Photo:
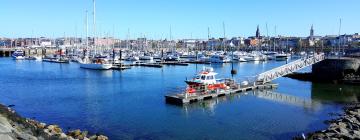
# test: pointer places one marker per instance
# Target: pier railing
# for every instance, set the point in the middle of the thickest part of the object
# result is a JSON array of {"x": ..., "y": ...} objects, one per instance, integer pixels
[{"x": 289, "y": 68}]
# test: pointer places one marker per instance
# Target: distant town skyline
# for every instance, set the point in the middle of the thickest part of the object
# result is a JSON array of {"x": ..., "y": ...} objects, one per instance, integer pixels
[{"x": 186, "y": 18}]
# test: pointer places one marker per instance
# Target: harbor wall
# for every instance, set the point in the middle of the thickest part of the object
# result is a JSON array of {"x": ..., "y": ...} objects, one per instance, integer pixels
[
  {"x": 28, "y": 52},
  {"x": 335, "y": 68}
]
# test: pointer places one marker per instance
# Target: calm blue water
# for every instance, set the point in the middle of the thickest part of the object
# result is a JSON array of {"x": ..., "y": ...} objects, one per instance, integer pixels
[{"x": 130, "y": 104}]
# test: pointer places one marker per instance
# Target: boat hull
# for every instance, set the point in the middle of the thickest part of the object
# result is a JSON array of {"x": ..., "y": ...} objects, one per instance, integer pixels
[
  {"x": 18, "y": 57},
  {"x": 96, "y": 66}
]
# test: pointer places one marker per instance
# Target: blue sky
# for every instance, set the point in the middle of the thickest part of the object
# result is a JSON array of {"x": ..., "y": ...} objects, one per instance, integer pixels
[{"x": 187, "y": 18}]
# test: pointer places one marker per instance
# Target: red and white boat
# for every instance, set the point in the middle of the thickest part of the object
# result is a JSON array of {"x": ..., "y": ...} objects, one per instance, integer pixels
[{"x": 205, "y": 82}]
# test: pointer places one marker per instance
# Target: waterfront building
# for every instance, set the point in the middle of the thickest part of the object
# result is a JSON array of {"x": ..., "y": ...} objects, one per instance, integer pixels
[
  {"x": 289, "y": 42},
  {"x": 5, "y": 42},
  {"x": 105, "y": 41}
]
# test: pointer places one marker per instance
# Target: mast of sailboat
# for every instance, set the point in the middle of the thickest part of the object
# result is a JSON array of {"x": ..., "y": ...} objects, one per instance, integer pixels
[
  {"x": 113, "y": 34},
  {"x": 87, "y": 30},
  {"x": 87, "y": 34},
  {"x": 113, "y": 43},
  {"x": 127, "y": 40},
  {"x": 267, "y": 40},
  {"x": 94, "y": 25},
  {"x": 275, "y": 40},
  {"x": 170, "y": 40},
  {"x": 224, "y": 36},
  {"x": 209, "y": 39},
  {"x": 339, "y": 43}
]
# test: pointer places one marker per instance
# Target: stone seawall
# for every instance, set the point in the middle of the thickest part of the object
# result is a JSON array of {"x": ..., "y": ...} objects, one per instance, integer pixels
[{"x": 335, "y": 68}]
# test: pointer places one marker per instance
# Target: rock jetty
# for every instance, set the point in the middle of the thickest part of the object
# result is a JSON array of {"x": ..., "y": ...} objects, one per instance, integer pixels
[
  {"x": 346, "y": 126},
  {"x": 14, "y": 127}
]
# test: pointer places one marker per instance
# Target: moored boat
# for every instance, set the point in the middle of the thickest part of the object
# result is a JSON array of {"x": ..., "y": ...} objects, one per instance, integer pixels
[
  {"x": 96, "y": 64},
  {"x": 219, "y": 59},
  {"x": 18, "y": 55},
  {"x": 281, "y": 57},
  {"x": 205, "y": 82}
]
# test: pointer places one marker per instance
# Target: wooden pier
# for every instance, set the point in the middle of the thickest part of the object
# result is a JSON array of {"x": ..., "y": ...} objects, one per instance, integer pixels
[
  {"x": 176, "y": 63},
  {"x": 154, "y": 65},
  {"x": 183, "y": 99},
  {"x": 158, "y": 64},
  {"x": 119, "y": 67},
  {"x": 198, "y": 62}
]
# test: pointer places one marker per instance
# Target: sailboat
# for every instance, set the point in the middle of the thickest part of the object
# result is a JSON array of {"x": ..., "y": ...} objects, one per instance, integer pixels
[{"x": 96, "y": 63}]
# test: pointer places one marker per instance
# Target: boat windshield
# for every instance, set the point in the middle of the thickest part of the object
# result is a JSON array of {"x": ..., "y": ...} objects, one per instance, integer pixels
[
  {"x": 203, "y": 77},
  {"x": 197, "y": 77}
]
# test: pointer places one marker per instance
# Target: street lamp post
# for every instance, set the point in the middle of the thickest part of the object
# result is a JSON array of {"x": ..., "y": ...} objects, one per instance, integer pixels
[{"x": 232, "y": 59}]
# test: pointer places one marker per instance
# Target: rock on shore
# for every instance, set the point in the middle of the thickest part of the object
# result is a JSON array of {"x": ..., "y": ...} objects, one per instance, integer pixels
[
  {"x": 13, "y": 127},
  {"x": 347, "y": 126}
]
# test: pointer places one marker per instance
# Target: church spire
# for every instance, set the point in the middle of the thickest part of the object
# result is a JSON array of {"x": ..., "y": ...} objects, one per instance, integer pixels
[
  {"x": 257, "y": 32},
  {"x": 312, "y": 31}
]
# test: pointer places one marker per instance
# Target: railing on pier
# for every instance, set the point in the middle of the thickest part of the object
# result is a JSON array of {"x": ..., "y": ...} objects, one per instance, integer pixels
[{"x": 289, "y": 68}]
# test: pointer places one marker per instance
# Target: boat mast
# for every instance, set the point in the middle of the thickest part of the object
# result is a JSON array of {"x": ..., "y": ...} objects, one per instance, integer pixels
[
  {"x": 339, "y": 38},
  {"x": 127, "y": 40},
  {"x": 94, "y": 24},
  {"x": 267, "y": 40},
  {"x": 170, "y": 40},
  {"x": 224, "y": 36},
  {"x": 212, "y": 48},
  {"x": 113, "y": 34},
  {"x": 87, "y": 30},
  {"x": 275, "y": 40}
]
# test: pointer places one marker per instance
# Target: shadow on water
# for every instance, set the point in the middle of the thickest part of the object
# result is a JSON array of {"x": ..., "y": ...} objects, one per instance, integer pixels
[{"x": 332, "y": 93}]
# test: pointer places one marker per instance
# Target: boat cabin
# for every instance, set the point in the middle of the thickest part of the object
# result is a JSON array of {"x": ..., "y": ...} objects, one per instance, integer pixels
[{"x": 207, "y": 76}]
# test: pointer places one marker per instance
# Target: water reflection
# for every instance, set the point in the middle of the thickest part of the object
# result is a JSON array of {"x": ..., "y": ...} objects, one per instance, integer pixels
[
  {"x": 209, "y": 106},
  {"x": 100, "y": 73},
  {"x": 320, "y": 93},
  {"x": 286, "y": 98}
]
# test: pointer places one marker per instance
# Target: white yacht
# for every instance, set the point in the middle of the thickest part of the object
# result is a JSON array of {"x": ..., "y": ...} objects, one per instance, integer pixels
[
  {"x": 96, "y": 64},
  {"x": 219, "y": 59},
  {"x": 37, "y": 58},
  {"x": 282, "y": 57},
  {"x": 18, "y": 55},
  {"x": 239, "y": 58},
  {"x": 252, "y": 58},
  {"x": 146, "y": 57},
  {"x": 133, "y": 58},
  {"x": 172, "y": 58}
]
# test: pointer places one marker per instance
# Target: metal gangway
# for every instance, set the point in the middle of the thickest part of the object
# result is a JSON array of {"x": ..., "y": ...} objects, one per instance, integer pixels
[{"x": 289, "y": 68}]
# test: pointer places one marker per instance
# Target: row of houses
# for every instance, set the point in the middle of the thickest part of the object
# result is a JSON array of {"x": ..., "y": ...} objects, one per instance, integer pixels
[
  {"x": 211, "y": 43},
  {"x": 47, "y": 42}
]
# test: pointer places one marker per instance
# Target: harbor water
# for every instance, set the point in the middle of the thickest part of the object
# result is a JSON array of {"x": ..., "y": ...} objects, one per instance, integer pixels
[{"x": 130, "y": 104}]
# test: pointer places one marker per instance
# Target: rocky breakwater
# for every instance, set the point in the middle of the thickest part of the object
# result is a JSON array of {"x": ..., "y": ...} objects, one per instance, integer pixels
[
  {"x": 346, "y": 126},
  {"x": 13, "y": 127}
]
